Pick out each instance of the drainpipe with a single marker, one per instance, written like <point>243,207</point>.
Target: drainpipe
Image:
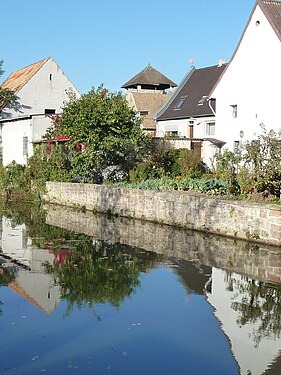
<point>210,105</point>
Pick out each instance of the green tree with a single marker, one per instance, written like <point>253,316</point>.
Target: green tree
<point>102,130</point>
<point>6,95</point>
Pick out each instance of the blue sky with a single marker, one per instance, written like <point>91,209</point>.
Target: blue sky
<point>109,41</point>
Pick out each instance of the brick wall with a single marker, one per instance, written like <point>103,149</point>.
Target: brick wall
<point>243,220</point>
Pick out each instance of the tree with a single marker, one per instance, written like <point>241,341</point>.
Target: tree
<point>102,131</point>
<point>6,95</point>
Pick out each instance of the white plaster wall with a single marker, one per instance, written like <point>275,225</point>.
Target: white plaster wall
<point>12,140</point>
<point>252,81</point>
<point>199,131</point>
<point>181,126</point>
<point>40,124</point>
<point>41,93</point>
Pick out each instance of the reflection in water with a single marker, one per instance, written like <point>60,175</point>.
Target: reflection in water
<point>95,272</point>
<point>92,261</point>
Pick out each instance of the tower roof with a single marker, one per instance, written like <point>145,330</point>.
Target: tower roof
<point>149,77</point>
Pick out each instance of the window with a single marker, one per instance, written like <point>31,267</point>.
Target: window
<point>25,146</point>
<point>180,102</point>
<point>210,128</point>
<point>236,147</point>
<point>202,100</point>
<point>172,134</point>
<point>144,113</point>
<point>234,110</point>
<point>51,77</point>
<point>50,111</point>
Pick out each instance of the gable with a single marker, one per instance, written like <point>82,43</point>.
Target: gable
<point>20,77</point>
<point>271,12</point>
<point>41,88</point>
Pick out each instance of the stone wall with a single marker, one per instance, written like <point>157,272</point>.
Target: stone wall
<point>257,261</point>
<point>241,220</point>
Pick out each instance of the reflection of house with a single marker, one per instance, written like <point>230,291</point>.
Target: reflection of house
<point>249,89</point>
<point>31,282</point>
<point>147,92</point>
<point>194,277</point>
<point>41,88</point>
<point>253,352</point>
<point>189,115</point>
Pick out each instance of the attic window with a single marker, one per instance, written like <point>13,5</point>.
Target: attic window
<point>202,100</point>
<point>257,23</point>
<point>143,113</point>
<point>50,111</point>
<point>179,104</point>
<point>51,77</point>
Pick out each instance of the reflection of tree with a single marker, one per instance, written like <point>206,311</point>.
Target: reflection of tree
<point>87,272</point>
<point>99,273</point>
<point>261,303</point>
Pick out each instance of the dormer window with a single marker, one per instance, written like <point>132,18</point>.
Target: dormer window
<point>202,100</point>
<point>180,102</point>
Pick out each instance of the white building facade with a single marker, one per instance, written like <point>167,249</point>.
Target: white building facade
<point>42,89</point>
<point>248,92</point>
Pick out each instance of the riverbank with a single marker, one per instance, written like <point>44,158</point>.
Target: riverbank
<point>242,220</point>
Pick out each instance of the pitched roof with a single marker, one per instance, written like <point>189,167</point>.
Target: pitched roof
<point>190,98</point>
<point>151,77</point>
<point>272,11</point>
<point>20,77</point>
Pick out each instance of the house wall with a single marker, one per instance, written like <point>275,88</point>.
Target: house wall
<point>231,218</point>
<point>181,126</point>
<point>252,82</point>
<point>47,89</point>
<point>42,93</point>
<point>12,141</point>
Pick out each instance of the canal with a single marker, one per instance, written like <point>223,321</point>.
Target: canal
<point>88,294</point>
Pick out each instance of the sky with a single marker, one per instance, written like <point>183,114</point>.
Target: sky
<point>109,41</point>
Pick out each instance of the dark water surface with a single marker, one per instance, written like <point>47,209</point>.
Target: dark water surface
<point>87,294</point>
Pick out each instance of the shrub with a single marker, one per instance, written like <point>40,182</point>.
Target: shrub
<point>190,164</point>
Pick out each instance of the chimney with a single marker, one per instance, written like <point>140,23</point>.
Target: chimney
<point>221,62</point>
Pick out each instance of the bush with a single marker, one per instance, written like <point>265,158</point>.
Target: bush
<point>190,164</point>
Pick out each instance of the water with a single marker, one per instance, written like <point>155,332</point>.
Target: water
<point>89,294</point>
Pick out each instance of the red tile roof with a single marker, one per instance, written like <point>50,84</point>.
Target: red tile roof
<point>20,77</point>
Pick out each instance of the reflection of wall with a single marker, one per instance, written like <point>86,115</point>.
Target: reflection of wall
<point>257,261</point>
<point>31,282</point>
<point>249,357</point>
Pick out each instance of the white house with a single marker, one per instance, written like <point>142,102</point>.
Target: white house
<point>188,117</point>
<point>248,92</point>
<point>41,88</point>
